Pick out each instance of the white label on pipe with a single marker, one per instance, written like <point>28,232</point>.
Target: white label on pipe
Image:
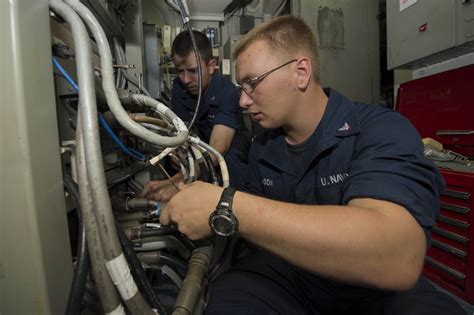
<point>180,126</point>
<point>120,274</point>
<point>118,311</point>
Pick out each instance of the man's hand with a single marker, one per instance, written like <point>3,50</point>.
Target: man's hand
<point>159,190</point>
<point>190,208</point>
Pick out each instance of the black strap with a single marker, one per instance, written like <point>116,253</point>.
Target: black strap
<point>226,198</point>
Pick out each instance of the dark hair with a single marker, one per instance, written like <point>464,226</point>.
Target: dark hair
<point>182,45</point>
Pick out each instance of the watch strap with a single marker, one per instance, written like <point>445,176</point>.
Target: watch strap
<point>226,198</point>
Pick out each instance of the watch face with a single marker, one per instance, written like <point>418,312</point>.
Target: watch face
<point>222,225</point>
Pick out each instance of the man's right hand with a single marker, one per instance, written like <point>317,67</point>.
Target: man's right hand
<point>159,190</point>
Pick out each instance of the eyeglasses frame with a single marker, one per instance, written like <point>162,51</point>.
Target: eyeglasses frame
<point>250,84</point>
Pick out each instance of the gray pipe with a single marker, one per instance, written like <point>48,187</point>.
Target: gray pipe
<point>107,294</point>
<point>163,111</point>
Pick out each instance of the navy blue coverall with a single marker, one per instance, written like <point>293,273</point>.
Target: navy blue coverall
<point>357,151</point>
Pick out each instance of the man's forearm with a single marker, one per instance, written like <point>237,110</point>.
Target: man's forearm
<point>348,243</point>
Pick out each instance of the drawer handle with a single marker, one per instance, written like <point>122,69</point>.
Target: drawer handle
<point>454,222</point>
<point>456,194</point>
<point>442,267</point>
<point>454,208</point>
<point>454,132</point>
<point>448,248</point>
<point>450,235</point>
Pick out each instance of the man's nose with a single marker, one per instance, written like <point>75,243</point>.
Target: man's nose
<point>245,101</point>
<point>187,77</point>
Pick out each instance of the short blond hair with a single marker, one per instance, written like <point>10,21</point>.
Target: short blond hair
<point>286,34</point>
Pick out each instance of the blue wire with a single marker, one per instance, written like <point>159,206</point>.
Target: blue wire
<point>158,209</point>
<point>133,153</point>
<point>65,74</point>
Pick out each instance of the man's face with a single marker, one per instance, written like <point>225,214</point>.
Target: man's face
<point>188,72</point>
<point>272,101</point>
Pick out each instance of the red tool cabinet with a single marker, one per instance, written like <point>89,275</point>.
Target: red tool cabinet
<point>441,107</point>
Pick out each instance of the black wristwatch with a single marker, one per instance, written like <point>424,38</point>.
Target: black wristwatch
<point>223,221</point>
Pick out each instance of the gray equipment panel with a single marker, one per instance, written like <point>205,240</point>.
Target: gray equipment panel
<point>35,257</point>
<point>427,32</point>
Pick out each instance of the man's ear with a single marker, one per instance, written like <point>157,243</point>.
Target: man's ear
<point>304,72</point>
<point>212,64</point>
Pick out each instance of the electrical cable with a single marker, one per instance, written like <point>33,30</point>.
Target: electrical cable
<point>129,151</point>
<point>182,8</point>
<point>81,269</point>
<point>115,261</point>
<point>218,155</point>
<point>201,163</point>
<point>192,171</point>
<point>120,81</point>
<point>198,61</point>
<point>84,139</point>
<point>212,170</point>
<point>184,169</point>
<point>105,287</point>
<point>65,74</point>
<point>162,231</point>
<point>139,273</point>
<point>123,179</point>
<point>151,120</point>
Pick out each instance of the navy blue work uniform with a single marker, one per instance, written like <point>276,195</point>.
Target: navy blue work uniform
<point>219,106</point>
<point>357,151</point>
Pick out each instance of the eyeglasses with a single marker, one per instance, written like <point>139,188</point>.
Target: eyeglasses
<point>250,84</point>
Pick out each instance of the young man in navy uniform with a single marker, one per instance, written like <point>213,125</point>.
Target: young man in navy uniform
<point>219,121</point>
<point>339,200</point>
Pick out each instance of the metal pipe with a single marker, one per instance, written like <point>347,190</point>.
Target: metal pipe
<point>150,120</point>
<point>162,110</point>
<point>191,289</point>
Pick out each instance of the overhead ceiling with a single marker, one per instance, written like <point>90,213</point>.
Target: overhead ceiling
<point>216,7</point>
<point>198,7</point>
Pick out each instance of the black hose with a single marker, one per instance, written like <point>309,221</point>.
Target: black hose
<point>126,177</point>
<point>162,231</point>
<point>76,294</point>
<point>138,272</point>
<point>203,170</point>
<point>212,169</point>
